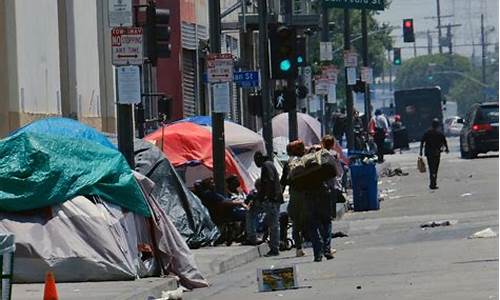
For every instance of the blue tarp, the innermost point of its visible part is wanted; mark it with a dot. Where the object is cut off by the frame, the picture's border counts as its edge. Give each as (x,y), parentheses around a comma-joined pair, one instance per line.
(67,128)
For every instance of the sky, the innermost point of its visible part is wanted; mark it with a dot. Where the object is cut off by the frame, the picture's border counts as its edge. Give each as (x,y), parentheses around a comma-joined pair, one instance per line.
(465,12)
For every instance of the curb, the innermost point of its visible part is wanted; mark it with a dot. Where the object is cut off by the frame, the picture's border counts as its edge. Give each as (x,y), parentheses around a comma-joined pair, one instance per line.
(169,284)
(221,266)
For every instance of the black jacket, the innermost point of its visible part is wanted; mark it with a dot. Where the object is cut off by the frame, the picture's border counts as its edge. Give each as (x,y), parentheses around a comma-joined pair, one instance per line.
(270,180)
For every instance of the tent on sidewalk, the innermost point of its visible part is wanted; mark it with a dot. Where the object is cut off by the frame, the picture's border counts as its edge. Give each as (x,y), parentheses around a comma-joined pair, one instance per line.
(76,208)
(189,215)
(242,141)
(188,147)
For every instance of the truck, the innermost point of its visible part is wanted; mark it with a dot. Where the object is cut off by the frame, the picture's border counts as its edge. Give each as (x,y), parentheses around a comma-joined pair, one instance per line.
(417,108)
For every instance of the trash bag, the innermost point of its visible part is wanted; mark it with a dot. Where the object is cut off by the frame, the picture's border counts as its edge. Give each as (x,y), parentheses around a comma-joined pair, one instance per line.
(421,164)
(189,215)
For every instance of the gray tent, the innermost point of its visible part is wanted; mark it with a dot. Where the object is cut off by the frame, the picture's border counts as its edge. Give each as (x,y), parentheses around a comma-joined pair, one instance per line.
(189,215)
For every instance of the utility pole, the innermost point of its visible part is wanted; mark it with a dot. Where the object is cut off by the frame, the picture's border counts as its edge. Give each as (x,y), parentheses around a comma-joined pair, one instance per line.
(218,142)
(364,32)
(415,49)
(429,42)
(349,100)
(483,54)
(439,27)
(324,38)
(293,131)
(267,126)
(390,69)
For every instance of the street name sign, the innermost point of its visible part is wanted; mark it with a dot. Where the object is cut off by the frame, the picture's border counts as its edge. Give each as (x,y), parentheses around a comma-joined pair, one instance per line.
(129,84)
(356,4)
(120,13)
(220,67)
(126,46)
(247,79)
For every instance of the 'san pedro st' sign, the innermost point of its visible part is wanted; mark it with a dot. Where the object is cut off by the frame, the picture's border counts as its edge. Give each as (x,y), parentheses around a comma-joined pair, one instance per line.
(357,4)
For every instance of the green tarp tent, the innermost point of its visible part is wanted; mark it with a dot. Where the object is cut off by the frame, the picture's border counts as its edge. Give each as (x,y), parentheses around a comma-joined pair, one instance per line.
(38,170)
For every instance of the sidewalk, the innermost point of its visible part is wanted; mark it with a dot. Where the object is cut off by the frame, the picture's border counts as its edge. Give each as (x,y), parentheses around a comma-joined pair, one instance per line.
(211,261)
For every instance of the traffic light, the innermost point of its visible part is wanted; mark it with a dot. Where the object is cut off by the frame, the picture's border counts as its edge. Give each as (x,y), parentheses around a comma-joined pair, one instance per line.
(284,99)
(408,33)
(301,52)
(397,56)
(283,53)
(157,31)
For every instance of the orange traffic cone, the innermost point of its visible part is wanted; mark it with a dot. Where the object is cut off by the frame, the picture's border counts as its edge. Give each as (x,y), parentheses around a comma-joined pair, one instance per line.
(50,291)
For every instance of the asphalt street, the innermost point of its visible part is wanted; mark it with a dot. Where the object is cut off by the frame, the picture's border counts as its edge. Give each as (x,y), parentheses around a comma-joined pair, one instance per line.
(387,255)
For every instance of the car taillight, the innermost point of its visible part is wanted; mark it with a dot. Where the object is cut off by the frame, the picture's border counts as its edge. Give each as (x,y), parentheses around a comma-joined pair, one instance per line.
(481,127)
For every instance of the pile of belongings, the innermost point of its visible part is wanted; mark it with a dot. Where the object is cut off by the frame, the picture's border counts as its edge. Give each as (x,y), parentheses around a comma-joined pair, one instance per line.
(313,168)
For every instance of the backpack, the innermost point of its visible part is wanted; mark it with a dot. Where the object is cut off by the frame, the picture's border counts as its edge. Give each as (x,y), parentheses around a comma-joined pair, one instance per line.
(312,169)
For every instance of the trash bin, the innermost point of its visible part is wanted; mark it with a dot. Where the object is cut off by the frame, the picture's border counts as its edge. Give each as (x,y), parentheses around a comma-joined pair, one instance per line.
(364,187)
(7,249)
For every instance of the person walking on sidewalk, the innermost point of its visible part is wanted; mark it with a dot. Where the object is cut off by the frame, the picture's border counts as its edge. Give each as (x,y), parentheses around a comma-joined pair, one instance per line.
(434,141)
(271,198)
(295,151)
(381,129)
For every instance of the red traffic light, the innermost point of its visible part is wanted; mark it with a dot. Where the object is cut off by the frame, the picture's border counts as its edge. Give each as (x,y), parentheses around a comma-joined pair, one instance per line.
(408,23)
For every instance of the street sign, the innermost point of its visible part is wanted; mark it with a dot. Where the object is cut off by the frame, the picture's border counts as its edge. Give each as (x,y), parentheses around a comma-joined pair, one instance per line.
(332,93)
(126,46)
(247,79)
(350,59)
(356,4)
(330,73)
(325,51)
(129,84)
(307,77)
(120,13)
(322,85)
(367,75)
(351,76)
(220,67)
(221,97)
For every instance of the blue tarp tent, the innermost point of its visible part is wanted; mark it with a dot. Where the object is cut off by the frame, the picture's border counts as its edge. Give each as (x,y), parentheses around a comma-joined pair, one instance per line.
(67,128)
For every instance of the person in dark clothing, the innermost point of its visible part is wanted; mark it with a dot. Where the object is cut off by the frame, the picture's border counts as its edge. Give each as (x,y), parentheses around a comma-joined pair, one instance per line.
(381,129)
(434,142)
(271,198)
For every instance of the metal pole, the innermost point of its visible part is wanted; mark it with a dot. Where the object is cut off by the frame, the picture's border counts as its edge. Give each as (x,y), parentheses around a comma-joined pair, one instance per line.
(483,53)
(390,69)
(267,126)
(218,143)
(125,128)
(293,131)
(324,38)
(349,100)
(364,29)
(414,49)
(429,43)
(439,27)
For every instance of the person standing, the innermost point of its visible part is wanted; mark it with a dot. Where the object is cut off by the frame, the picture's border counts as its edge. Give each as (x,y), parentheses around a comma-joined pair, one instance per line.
(271,198)
(295,151)
(434,142)
(381,129)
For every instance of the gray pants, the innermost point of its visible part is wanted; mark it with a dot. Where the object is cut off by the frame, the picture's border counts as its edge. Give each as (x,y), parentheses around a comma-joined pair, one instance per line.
(272,210)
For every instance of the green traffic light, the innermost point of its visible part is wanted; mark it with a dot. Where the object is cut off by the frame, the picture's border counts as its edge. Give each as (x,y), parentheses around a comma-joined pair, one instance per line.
(300,59)
(430,77)
(285,65)
(397,62)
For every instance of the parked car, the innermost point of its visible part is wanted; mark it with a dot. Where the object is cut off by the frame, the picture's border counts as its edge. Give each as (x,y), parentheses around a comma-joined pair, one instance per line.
(452,127)
(480,131)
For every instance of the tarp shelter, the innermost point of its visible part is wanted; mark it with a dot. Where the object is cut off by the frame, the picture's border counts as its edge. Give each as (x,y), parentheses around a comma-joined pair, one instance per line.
(65,127)
(75,208)
(189,215)
(188,147)
(309,131)
(242,142)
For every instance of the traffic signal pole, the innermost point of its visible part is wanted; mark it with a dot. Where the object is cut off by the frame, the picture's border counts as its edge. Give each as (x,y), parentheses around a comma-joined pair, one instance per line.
(324,38)
(364,33)
(218,142)
(293,131)
(349,100)
(267,127)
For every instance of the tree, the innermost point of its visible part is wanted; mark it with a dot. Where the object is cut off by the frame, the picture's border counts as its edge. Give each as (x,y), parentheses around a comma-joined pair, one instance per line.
(425,71)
